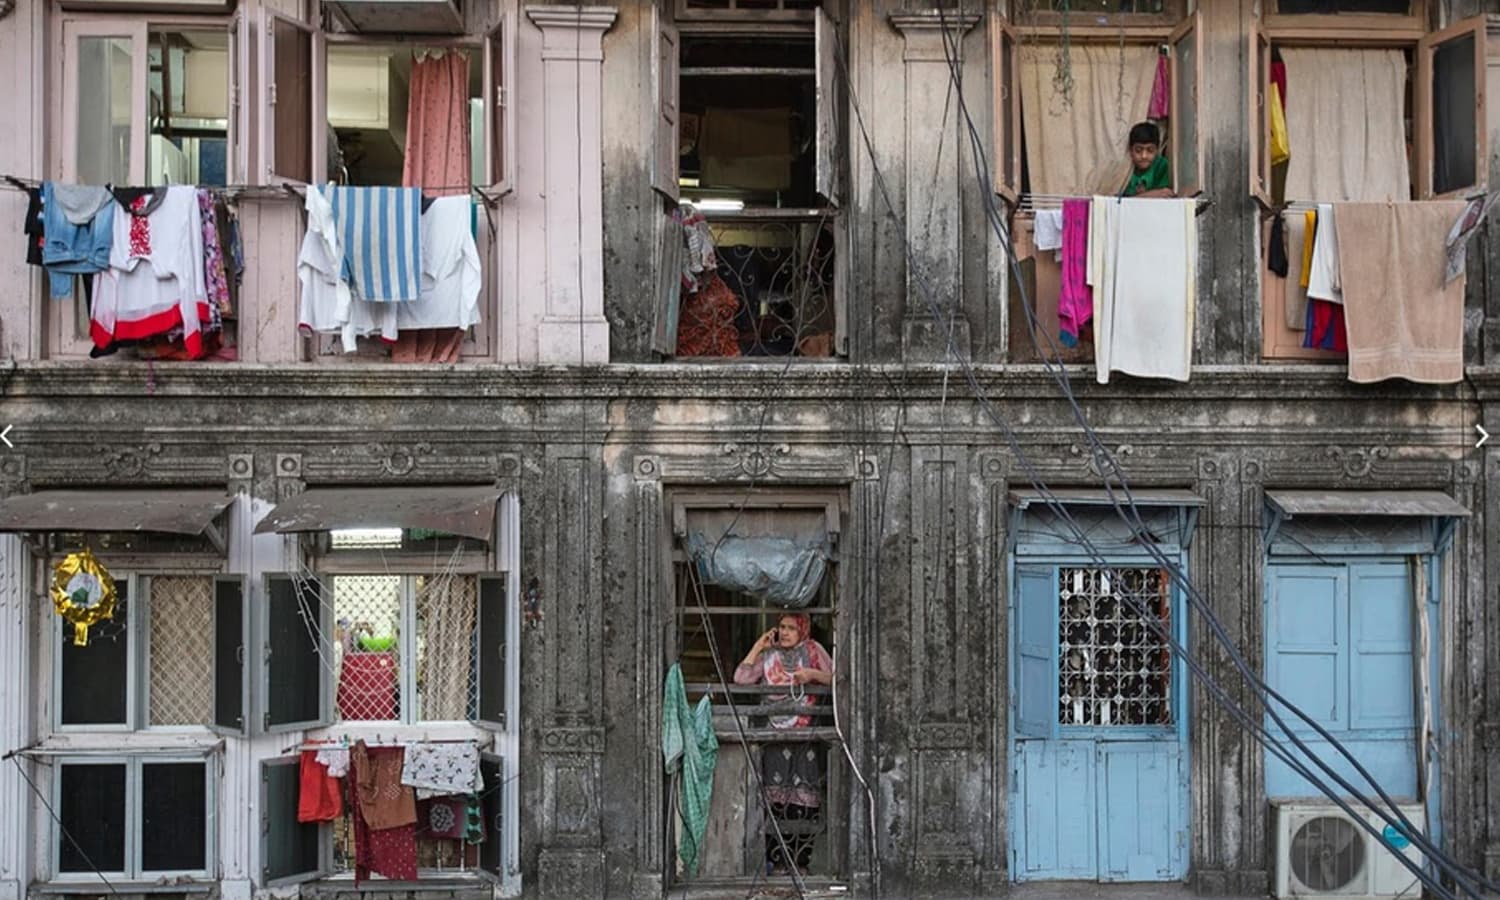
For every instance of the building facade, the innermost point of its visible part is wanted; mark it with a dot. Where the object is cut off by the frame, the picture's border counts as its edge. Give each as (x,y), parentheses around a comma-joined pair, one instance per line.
(869,409)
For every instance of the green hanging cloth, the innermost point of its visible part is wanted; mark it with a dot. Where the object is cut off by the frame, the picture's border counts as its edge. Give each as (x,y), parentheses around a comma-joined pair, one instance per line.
(689,747)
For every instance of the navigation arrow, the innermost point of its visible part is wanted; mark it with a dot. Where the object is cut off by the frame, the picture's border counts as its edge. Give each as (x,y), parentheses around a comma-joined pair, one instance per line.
(1483,435)
(3,436)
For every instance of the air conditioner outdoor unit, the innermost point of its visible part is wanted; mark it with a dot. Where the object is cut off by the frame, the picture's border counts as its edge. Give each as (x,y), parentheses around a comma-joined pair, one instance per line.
(1321,852)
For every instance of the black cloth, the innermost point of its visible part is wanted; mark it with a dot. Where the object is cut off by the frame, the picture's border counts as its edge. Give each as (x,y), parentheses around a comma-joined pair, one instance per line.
(128,195)
(1276,258)
(33,226)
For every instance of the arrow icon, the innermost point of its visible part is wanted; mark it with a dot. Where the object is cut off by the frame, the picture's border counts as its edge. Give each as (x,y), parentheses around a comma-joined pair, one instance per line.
(1483,435)
(4,432)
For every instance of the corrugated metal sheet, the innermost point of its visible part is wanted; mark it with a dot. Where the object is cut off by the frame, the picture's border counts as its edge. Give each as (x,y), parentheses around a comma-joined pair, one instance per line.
(1100,497)
(170,512)
(1366,503)
(467,511)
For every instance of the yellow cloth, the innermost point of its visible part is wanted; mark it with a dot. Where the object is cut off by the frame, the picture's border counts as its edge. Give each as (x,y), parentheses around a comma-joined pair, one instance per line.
(1307,249)
(1281,148)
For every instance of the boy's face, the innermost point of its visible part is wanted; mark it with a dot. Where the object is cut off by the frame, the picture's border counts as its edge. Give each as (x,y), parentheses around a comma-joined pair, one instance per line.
(1143,155)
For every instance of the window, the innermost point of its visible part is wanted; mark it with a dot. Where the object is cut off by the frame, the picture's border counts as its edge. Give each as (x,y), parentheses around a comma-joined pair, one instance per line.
(749,142)
(1084,14)
(1065,99)
(134,818)
(1339,645)
(1375,108)
(791,750)
(170,658)
(145,102)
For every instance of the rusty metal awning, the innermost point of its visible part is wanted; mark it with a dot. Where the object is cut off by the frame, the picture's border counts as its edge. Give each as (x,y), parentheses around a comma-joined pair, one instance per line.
(165,511)
(466,511)
(1021,499)
(1365,503)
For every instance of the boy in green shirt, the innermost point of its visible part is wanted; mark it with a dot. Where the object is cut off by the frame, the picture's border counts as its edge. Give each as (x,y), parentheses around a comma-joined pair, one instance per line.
(1151,174)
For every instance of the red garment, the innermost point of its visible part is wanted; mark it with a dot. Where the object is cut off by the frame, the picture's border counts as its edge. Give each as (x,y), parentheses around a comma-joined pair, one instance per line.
(390,852)
(321,797)
(1325,326)
(1278,78)
(443,817)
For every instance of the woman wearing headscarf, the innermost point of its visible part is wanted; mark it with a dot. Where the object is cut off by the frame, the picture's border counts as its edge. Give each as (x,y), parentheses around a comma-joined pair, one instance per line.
(791,772)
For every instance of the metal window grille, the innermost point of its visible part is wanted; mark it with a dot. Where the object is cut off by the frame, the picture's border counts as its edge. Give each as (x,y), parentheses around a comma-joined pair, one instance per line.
(399,637)
(181,654)
(1114,667)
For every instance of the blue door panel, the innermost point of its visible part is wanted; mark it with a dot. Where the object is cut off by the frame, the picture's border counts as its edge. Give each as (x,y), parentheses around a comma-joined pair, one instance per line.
(1380,618)
(1307,641)
(1391,761)
(1034,623)
(1142,811)
(1056,802)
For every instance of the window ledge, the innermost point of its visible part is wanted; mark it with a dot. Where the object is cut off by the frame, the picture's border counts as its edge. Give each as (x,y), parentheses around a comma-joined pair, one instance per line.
(454,885)
(203,886)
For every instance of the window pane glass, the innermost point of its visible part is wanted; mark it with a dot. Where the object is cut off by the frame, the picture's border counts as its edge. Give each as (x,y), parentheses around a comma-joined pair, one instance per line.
(174,817)
(297,649)
(188,84)
(1454,123)
(94,675)
(491,801)
(447,608)
(292,113)
(104,110)
(91,809)
(181,650)
(1185,109)
(367,616)
(1327,7)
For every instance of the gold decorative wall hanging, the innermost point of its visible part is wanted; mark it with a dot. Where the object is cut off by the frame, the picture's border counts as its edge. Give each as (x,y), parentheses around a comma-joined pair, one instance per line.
(83,593)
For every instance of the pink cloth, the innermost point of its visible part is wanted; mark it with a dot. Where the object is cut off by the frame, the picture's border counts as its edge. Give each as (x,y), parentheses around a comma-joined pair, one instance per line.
(1161,91)
(437,126)
(1075,300)
(776,665)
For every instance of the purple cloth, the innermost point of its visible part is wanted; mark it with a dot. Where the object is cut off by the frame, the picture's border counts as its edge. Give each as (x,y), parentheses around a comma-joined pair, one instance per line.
(1161,91)
(1075,300)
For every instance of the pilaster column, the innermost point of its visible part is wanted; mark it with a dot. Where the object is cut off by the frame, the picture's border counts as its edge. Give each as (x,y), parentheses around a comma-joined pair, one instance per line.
(573,329)
(934,159)
(18,685)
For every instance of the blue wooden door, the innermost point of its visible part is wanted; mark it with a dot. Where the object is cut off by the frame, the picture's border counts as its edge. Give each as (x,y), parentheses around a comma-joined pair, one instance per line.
(1095,794)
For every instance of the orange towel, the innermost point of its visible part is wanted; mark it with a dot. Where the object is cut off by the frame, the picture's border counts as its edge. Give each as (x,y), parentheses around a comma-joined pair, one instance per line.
(1307,248)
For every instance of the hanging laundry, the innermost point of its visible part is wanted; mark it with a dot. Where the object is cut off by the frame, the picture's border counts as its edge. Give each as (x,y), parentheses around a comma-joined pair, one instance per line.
(327,304)
(440,769)
(1276,259)
(1295,228)
(446,818)
(78,223)
(379,230)
(1278,75)
(437,126)
(1143,265)
(1075,299)
(1281,147)
(433,328)
(155,279)
(336,759)
(1161,90)
(1323,281)
(700,260)
(321,796)
(392,851)
(1324,327)
(1309,232)
(383,800)
(690,751)
(32,228)
(216,276)
(1047,232)
(706,325)
(1403,321)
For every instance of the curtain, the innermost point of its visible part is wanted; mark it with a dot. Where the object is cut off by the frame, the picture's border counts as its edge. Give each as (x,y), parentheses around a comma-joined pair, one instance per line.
(1076,139)
(1344,114)
(447,609)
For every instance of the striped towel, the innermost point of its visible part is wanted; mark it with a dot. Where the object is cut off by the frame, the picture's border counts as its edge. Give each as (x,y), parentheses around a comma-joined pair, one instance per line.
(380,228)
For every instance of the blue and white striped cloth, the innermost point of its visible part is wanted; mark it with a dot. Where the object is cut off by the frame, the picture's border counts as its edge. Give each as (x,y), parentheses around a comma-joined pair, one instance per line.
(380,228)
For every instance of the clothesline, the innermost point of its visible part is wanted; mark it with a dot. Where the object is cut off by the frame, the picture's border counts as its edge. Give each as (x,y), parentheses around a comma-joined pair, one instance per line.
(392,741)
(260,191)
(1034,202)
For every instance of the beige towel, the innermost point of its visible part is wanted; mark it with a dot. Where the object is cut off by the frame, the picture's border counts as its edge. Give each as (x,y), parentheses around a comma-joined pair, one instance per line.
(1143,264)
(1076,141)
(1296,294)
(1344,123)
(1402,321)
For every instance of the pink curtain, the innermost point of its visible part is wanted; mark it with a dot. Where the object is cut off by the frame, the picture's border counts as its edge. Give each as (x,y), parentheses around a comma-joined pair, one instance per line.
(438,161)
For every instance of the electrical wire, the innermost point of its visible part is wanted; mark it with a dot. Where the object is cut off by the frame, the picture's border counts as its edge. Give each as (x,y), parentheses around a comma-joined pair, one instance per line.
(42,798)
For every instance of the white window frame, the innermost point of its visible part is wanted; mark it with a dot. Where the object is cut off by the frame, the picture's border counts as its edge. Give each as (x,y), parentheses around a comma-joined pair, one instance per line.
(133,762)
(137,660)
